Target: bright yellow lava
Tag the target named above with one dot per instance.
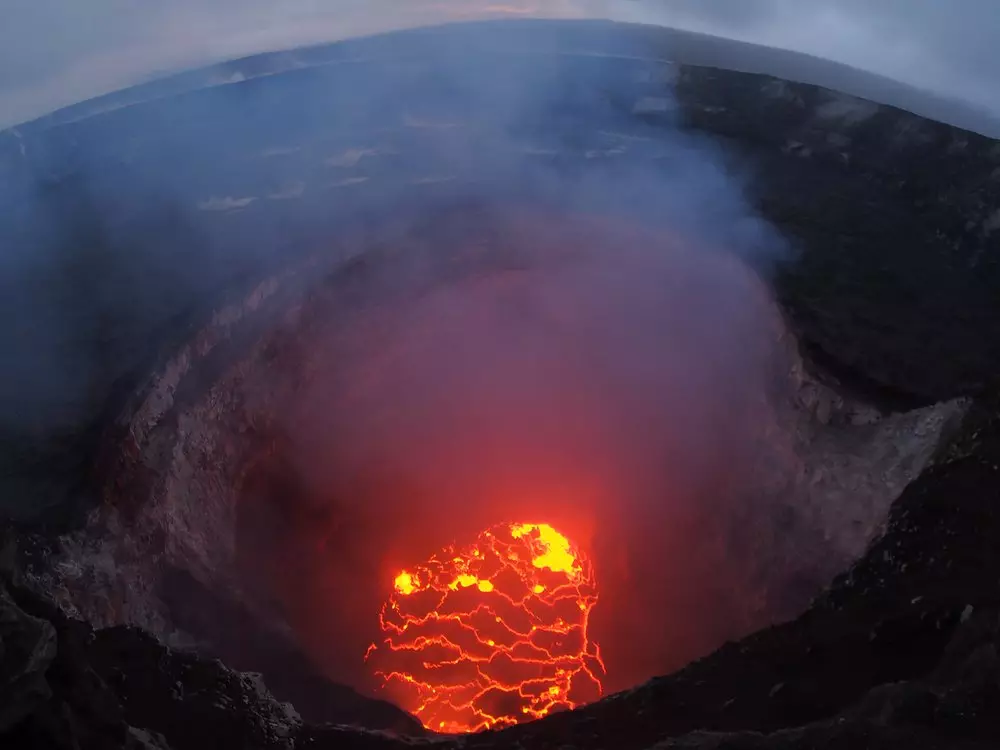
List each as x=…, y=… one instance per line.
x=405, y=583
x=558, y=554
x=493, y=633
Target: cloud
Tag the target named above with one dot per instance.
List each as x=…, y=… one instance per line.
x=58, y=52
x=928, y=44
x=54, y=53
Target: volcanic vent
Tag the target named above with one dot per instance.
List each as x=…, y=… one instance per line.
x=567, y=340
x=619, y=407
x=493, y=633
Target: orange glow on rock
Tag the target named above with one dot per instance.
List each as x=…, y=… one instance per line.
x=492, y=634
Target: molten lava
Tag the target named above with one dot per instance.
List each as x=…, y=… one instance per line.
x=492, y=634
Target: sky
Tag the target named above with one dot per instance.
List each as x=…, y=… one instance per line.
x=58, y=52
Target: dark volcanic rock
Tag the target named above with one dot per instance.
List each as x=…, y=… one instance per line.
x=105, y=683
x=236, y=636
x=27, y=647
x=896, y=222
x=121, y=688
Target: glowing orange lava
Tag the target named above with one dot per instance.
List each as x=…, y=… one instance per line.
x=492, y=634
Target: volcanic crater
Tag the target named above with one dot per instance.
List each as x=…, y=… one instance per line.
x=486, y=405
x=335, y=428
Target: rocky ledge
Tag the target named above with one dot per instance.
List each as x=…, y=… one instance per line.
x=900, y=652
